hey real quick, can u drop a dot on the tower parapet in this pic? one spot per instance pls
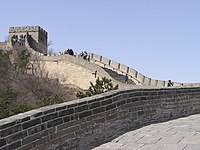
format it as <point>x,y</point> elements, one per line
<point>27,29</point>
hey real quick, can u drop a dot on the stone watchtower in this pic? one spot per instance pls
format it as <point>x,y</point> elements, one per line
<point>29,36</point>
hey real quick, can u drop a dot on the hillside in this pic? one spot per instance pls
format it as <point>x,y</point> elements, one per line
<point>21,90</point>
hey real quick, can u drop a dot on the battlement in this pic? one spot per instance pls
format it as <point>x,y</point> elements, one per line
<point>27,29</point>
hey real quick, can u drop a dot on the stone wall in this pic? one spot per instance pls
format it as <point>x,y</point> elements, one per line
<point>72,70</point>
<point>89,122</point>
<point>137,77</point>
<point>37,46</point>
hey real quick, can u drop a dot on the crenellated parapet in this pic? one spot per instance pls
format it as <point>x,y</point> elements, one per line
<point>27,29</point>
<point>133,74</point>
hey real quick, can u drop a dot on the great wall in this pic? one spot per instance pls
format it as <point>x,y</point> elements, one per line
<point>87,123</point>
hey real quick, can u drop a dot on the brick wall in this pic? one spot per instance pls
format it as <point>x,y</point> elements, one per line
<point>86,123</point>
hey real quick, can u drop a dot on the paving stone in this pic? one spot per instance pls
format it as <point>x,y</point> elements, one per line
<point>172,140</point>
<point>191,140</point>
<point>131,146</point>
<point>163,147</point>
<point>179,134</point>
<point>149,140</point>
<point>192,147</point>
<point>112,145</point>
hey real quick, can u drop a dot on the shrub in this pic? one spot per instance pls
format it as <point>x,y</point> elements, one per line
<point>101,86</point>
<point>20,109</point>
<point>48,98</point>
<point>6,98</point>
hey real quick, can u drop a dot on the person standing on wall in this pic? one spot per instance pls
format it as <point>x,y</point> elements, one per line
<point>170,83</point>
<point>126,79</point>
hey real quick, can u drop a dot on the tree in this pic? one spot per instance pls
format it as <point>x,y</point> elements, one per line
<point>50,49</point>
<point>6,69</point>
<point>101,86</point>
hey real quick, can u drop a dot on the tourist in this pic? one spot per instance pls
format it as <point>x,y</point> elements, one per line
<point>170,83</point>
<point>126,78</point>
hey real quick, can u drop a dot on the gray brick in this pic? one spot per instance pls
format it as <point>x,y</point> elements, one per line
<point>85,124</point>
<point>85,114</point>
<point>92,117</point>
<point>61,108</point>
<point>64,132</point>
<point>72,105</point>
<point>48,131</point>
<point>99,120</point>
<point>67,118</point>
<point>74,117</point>
<point>111,116</point>
<point>143,98</point>
<point>26,147</point>
<point>140,113</point>
<point>124,96</point>
<point>153,93</point>
<point>4,148</point>
<point>66,112</point>
<point>117,98</point>
<point>81,108</point>
<point>145,93</point>
<point>30,139</point>
<point>54,122</point>
<point>49,111</point>
<point>106,102</point>
<point>92,101</point>
<point>65,125</point>
<point>67,137</point>
<point>25,119</point>
<point>8,125</point>
<point>2,142</point>
<point>31,123</point>
<point>94,105</point>
<point>36,129</point>
<point>119,103</point>
<point>10,130</point>
<point>111,106</point>
<point>14,145</point>
<point>135,99</point>
<point>50,117</point>
<point>82,103</point>
<point>139,93</point>
<point>16,136</point>
<point>41,141</point>
<point>53,145</point>
<point>38,114</point>
<point>99,110</point>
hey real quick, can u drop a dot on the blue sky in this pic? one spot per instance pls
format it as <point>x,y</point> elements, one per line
<point>159,38</point>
